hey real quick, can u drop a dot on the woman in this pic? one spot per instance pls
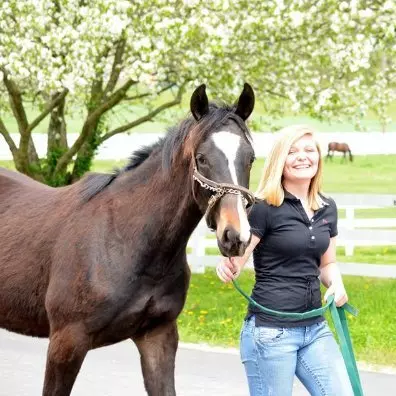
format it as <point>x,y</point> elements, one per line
<point>294,230</point>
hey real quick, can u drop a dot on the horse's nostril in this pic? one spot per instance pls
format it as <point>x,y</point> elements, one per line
<point>231,235</point>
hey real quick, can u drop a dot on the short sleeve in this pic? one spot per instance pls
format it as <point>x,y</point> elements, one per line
<point>258,218</point>
<point>333,219</point>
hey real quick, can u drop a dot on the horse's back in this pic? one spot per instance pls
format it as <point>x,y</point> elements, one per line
<point>13,179</point>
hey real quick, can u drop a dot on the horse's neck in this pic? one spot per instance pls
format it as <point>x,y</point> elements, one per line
<point>165,197</point>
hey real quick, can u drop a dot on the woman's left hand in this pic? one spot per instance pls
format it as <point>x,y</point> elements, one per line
<point>340,295</point>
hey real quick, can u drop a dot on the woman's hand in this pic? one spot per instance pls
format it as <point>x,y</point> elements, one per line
<point>228,269</point>
<point>340,295</point>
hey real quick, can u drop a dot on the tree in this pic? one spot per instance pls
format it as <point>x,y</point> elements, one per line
<point>326,58</point>
<point>92,58</point>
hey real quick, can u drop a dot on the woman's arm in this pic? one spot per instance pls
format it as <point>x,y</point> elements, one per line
<point>330,275</point>
<point>230,267</point>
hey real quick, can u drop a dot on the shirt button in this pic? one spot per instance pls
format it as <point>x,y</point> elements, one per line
<point>310,227</point>
<point>312,220</point>
<point>312,237</point>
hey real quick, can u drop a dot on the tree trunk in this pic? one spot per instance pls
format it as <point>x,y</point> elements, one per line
<point>56,145</point>
<point>57,138</point>
<point>86,154</point>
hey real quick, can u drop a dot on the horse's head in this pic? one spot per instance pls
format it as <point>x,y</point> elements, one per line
<point>222,159</point>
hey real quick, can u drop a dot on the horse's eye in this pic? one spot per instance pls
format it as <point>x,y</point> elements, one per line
<point>252,159</point>
<point>201,160</point>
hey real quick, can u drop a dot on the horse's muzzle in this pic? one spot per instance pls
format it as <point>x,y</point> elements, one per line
<point>230,243</point>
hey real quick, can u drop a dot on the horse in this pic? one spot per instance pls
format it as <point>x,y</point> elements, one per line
<point>104,259</point>
<point>340,147</point>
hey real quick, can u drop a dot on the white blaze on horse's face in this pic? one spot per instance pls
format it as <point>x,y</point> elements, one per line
<point>229,143</point>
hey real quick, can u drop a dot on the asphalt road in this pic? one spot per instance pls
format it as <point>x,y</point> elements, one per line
<point>115,370</point>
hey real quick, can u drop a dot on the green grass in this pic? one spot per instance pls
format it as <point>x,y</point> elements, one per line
<point>369,255</point>
<point>373,174</point>
<point>362,254</point>
<point>388,212</point>
<point>7,164</point>
<point>214,313</point>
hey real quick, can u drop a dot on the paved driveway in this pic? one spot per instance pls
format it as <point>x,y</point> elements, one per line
<point>115,370</point>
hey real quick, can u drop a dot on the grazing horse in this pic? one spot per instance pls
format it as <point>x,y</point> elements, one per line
<point>104,260</point>
<point>340,147</point>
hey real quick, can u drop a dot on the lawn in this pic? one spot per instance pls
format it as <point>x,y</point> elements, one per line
<point>375,174</point>
<point>362,254</point>
<point>214,313</point>
<point>369,254</point>
<point>372,174</point>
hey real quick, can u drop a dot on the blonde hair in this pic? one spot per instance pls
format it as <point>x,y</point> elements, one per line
<point>270,188</point>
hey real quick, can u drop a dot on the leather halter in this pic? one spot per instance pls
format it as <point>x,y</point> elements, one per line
<point>220,189</point>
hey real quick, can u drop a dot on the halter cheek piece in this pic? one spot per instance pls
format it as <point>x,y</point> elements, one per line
<point>220,189</point>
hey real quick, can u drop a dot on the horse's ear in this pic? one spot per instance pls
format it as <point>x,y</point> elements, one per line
<point>245,103</point>
<point>199,103</point>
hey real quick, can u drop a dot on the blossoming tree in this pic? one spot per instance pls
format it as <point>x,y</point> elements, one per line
<point>326,58</point>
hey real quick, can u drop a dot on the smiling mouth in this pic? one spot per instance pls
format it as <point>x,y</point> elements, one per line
<point>302,167</point>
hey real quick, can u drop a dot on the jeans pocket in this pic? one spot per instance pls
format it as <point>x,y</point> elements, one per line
<point>248,349</point>
<point>267,335</point>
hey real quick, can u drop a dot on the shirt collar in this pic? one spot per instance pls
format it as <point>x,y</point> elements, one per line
<point>289,196</point>
<point>292,197</point>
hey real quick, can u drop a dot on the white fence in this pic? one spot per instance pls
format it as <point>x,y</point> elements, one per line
<point>349,239</point>
<point>352,233</point>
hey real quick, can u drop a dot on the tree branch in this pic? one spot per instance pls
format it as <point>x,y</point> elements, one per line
<point>54,103</point>
<point>276,94</point>
<point>116,68</point>
<point>18,111</point>
<point>145,118</point>
<point>148,93</point>
<point>114,99</point>
<point>8,138</point>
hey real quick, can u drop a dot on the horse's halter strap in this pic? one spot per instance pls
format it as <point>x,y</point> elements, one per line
<point>220,189</point>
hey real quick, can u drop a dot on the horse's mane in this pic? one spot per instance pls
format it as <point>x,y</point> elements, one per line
<point>170,146</point>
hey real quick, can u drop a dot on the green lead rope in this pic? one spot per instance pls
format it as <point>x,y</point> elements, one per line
<point>341,328</point>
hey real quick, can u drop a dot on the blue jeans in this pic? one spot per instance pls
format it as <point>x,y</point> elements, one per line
<point>272,356</point>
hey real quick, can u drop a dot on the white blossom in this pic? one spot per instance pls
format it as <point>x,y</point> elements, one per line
<point>324,57</point>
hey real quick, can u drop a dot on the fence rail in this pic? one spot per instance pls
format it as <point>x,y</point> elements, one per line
<point>352,232</point>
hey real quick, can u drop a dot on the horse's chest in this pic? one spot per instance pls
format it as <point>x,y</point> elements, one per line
<point>166,298</point>
<point>149,304</point>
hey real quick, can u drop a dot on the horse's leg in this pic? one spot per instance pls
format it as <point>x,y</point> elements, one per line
<point>66,352</point>
<point>157,355</point>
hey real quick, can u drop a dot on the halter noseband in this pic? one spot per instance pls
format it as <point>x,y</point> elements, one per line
<point>220,189</point>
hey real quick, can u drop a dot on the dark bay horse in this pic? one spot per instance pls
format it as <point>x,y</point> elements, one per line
<point>104,260</point>
<point>340,147</point>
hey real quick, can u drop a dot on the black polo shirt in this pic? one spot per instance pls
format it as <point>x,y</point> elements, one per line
<point>287,258</point>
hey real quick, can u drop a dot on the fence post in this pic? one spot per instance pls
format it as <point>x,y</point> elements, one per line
<point>350,216</point>
<point>197,244</point>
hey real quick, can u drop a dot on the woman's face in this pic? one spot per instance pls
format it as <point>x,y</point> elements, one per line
<point>302,161</point>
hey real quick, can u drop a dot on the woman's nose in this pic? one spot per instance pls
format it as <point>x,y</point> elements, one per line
<point>301,155</point>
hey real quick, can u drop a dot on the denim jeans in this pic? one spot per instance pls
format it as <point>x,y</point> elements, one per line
<point>272,356</point>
